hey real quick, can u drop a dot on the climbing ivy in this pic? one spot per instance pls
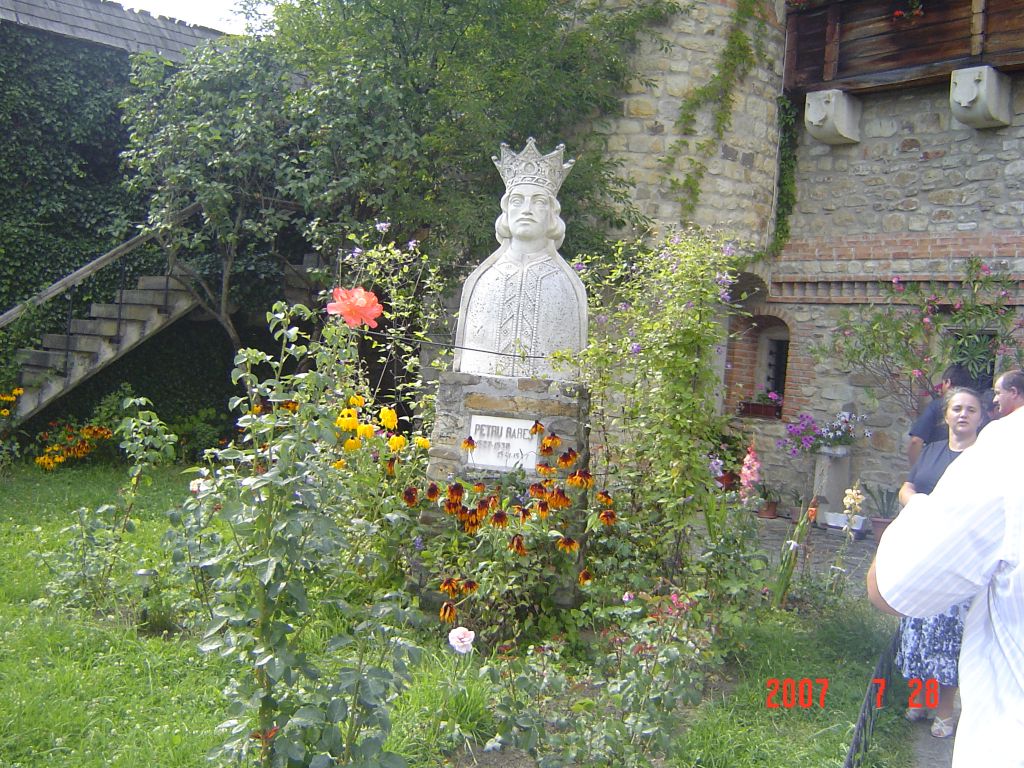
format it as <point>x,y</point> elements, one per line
<point>744,45</point>
<point>61,202</point>
<point>786,199</point>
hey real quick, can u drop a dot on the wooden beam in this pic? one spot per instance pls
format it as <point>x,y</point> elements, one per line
<point>791,43</point>
<point>831,65</point>
<point>978,21</point>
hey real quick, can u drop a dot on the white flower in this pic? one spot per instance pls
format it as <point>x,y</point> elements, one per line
<point>792,545</point>
<point>461,639</point>
<point>627,597</point>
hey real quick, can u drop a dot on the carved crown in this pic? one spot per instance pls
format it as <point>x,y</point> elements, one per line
<point>530,167</point>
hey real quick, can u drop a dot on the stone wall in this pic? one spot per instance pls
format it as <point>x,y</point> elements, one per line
<point>738,190</point>
<point>915,197</point>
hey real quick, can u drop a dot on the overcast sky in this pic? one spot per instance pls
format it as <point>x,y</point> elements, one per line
<point>218,14</point>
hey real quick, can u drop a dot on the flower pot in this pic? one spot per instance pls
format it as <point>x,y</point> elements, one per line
<point>769,510</point>
<point>761,410</point>
<point>878,526</point>
<point>836,451</point>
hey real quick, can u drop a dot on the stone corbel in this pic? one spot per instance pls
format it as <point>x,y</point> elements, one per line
<point>980,97</point>
<point>832,117</point>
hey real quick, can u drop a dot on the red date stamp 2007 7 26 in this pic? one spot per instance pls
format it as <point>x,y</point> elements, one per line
<point>788,693</point>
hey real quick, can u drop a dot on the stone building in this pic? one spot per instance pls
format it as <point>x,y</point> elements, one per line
<point>893,184</point>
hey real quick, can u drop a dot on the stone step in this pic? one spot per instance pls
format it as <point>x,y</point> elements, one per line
<point>56,361</point>
<point>138,312</point>
<point>76,342</point>
<point>153,298</point>
<point>159,282</point>
<point>105,327</point>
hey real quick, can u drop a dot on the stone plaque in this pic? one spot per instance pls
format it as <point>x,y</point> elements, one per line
<point>502,443</point>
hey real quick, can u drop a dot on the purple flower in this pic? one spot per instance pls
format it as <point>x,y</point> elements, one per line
<point>623,306</point>
<point>601,319</point>
<point>723,279</point>
<point>417,543</point>
<point>635,348</point>
<point>412,245</point>
<point>579,266</point>
<point>729,249</point>
<point>382,226</point>
<point>715,466</point>
<point>724,296</point>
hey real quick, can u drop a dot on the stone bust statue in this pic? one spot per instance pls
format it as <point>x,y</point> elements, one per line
<point>523,302</point>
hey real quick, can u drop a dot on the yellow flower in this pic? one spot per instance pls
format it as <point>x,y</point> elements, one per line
<point>469,444</point>
<point>421,442</point>
<point>365,431</point>
<point>585,577</point>
<point>447,613</point>
<point>257,409</point>
<point>357,401</point>
<point>5,413</point>
<point>388,418</point>
<point>607,516</point>
<point>397,442</point>
<point>353,444</point>
<point>17,391</point>
<point>340,464</point>
<point>347,420</point>
<point>567,544</point>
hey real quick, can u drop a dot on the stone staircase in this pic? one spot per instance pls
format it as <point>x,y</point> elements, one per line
<point>110,331</point>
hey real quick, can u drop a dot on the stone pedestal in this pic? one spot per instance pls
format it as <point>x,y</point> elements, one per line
<point>497,412</point>
<point>831,479</point>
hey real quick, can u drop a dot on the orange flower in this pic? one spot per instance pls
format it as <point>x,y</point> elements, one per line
<point>447,613</point>
<point>605,498</point>
<point>456,492</point>
<point>551,441</point>
<point>812,513</point>
<point>469,587</point>
<point>545,470</point>
<point>452,507</point>
<point>499,519</point>
<point>479,487</point>
<point>585,577</point>
<point>557,499</point>
<point>537,428</point>
<point>608,516</point>
<point>538,491</point>
<point>567,459</point>
<point>517,545</point>
<point>567,544</point>
<point>450,586</point>
<point>433,492</point>
<point>545,450</point>
<point>543,510</point>
<point>581,478</point>
<point>389,466</point>
<point>411,496</point>
<point>523,512</point>
<point>471,525</point>
<point>356,306</point>
<point>469,444</point>
<point>290,405</point>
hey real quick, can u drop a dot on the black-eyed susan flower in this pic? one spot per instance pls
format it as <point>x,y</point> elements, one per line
<point>552,440</point>
<point>471,525</point>
<point>352,444</point>
<point>389,466</point>
<point>537,428</point>
<point>545,450</point>
<point>543,510</point>
<point>357,401</point>
<point>447,614</point>
<point>567,459</point>
<point>452,507</point>
<point>479,487</point>
<point>365,431</point>
<point>585,577</point>
<point>433,492</point>
<point>340,464</point>
<point>290,405</point>
<point>388,418</point>
<point>469,444</point>
<point>469,586</point>
<point>557,499</point>
<point>500,519</point>
<point>581,478</point>
<point>517,545</point>
<point>545,470</point>
<point>411,496</point>
<point>605,498</point>
<point>397,443</point>
<point>607,516</point>
<point>347,420</point>
<point>456,492</point>
<point>523,513</point>
<point>567,544</point>
<point>450,586</point>
<point>538,491</point>
<point>421,442</point>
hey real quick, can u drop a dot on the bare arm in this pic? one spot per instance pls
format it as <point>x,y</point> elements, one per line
<point>914,449</point>
<point>875,596</point>
<point>906,491</point>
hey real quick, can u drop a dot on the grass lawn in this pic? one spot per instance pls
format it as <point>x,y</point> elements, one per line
<point>83,692</point>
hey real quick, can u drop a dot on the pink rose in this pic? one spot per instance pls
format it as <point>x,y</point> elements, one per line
<point>461,639</point>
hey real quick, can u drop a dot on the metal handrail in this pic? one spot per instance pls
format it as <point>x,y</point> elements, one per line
<point>81,274</point>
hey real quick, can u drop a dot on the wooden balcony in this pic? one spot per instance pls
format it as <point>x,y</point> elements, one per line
<point>865,45</point>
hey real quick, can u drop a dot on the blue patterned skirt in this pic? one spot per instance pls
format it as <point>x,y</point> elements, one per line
<point>930,648</point>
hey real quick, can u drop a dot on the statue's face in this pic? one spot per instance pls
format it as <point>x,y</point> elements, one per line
<point>529,212</point>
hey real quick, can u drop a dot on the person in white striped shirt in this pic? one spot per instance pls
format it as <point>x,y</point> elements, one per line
<point>964,541</point>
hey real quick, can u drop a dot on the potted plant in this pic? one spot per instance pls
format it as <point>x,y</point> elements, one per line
<point>885,505</point>
<point>770,498</point>
<point>764,405</point>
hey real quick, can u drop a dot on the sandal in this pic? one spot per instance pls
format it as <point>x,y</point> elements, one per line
<point>943,728</point>
<point>914,714</point>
